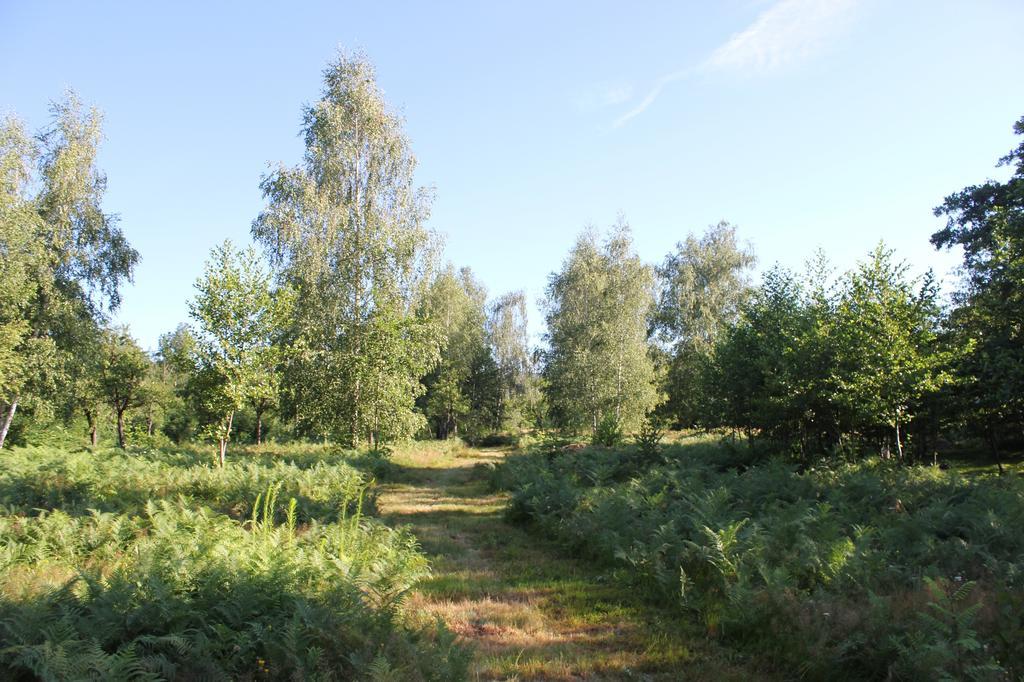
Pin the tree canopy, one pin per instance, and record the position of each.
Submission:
(65, 259)
(237, 350)
(598, 365)
(346, 230)
(987, 221)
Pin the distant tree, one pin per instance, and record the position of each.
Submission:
(755, 383)
(456, 304)
(597, 365)
(264, 397)
(987, 221)
(811, 364)
(346, 229)
(84, 389)
(702, 285)
(65, 259)
(123, 369)
(483, 390)
(239, 315)
(535, 406)
(889, 357)
(157, 398)
(175, 361)
(507, 338)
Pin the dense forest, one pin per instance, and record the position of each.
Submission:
(815, 468)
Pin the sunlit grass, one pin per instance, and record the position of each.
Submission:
(528, 611)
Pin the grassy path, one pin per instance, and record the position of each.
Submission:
(528, 612)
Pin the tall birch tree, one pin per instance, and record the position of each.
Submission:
(65, 259)
(598, 363)
(702, 285)
(346, 229)
(507, 336)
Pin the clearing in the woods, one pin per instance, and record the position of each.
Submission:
(527, 610)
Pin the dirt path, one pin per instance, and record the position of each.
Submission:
(528, 612)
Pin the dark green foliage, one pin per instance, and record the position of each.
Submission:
(496, 440)
(944, 644)
(648, 439)
(817, 367)
(175, 365)
(608, 432)
(819, 569)
(461, 392)
(122, 371)
(987, 220)
(1008, 635)
(702, 285)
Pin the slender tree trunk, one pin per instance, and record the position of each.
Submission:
(357, 289)
(899, 441)
(90, 420)
(450, 427)
(618, 385)
(260, 408)
(224, 439)
(11, 409)
(993, 445)
(149, 426)
(354, 429)
(120, 428)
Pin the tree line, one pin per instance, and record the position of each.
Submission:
(341, 322)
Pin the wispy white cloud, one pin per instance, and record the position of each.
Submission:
(651, 96)
(787, 32)
(616, 95)
(601, 96)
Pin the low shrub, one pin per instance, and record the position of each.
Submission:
(793, 563)
(496, 440)
(608, 432)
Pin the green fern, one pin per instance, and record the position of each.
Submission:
(182, 588)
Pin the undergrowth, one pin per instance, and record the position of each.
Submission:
(154, 565)
(843, 570)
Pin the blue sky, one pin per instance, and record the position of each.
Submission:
(807, 123)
